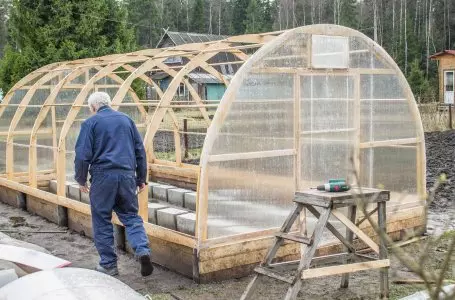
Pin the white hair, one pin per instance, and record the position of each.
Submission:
(98, 100)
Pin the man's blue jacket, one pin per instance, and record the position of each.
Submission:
(110, 142)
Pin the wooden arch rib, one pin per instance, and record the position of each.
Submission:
(40, 119)
(23, 82)
(17, 117)
(159, 113)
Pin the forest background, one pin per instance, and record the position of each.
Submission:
(38, 32)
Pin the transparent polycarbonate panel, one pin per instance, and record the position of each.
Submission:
(21, 151)
(39, 97)
(392, 168)
(385, 111)
(386, 120)
(325, 156)
(261, 118)
(293, 54)
(327, 103)
(381, 87)
(6, 117)
(330, 52)
(249, 195)
(2, 155)
(18, 96)
(360, 56)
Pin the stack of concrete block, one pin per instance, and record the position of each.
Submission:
(190, 200)
(153, 208)
(168, 217)
(173, 195)
(186, 223)
(160, 191)
(72, 191)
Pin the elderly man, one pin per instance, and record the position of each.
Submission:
(110, 148)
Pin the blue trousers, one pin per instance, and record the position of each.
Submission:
(116, 191)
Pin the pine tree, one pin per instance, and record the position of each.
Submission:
(239, 16)
(348, 13)
(144, 14)
(253, 21)
(46, 31)
(198, 18)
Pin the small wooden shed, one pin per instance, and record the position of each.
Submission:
(446, 71)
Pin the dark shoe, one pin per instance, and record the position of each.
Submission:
(111, 271)
(146, 265)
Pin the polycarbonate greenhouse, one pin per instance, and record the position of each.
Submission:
(304, 105)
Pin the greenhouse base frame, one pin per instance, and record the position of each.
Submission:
(214, 261)
(201, 257)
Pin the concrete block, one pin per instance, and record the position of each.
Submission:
(176, 196)
(85, 198)
(190, 201)
(151, 185)
(53, 186)
(186, 223)
(160, 191)
(168, 217)
(74, 192)
(153, 208)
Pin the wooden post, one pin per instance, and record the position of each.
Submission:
(450, 116)
(185, 136)
(384, 277)
(349, 237)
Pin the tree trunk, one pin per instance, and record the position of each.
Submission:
(210, 17)
(405, 40)
(375, 20)
(219, 18)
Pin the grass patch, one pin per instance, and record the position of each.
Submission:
(170, 156)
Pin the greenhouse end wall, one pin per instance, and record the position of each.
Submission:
(319, 102)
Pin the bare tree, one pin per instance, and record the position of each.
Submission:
(405, 39)
(375, 20)
(210, 17)
(219, 17)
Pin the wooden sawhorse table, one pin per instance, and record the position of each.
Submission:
(322, 205)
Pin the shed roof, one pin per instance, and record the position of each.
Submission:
(181, 38)
(442, 53)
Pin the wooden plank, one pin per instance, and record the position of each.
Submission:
(151, 229)
(389, 143)
(294, 237)
(384, 273)
(251, 155)
(336, 270)
(272, 274)
(360, 234)
(352, 210)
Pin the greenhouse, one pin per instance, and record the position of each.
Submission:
(303, 106)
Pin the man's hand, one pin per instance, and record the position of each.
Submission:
(141, 188)
(84, 188)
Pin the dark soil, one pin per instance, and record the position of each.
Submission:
(440, 151)
(167, 285)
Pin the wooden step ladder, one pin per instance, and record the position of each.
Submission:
(322, 205)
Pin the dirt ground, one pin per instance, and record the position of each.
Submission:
(164, 284)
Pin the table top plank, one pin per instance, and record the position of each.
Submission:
(325, 199)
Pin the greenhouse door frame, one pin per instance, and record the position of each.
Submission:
(298, 122)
